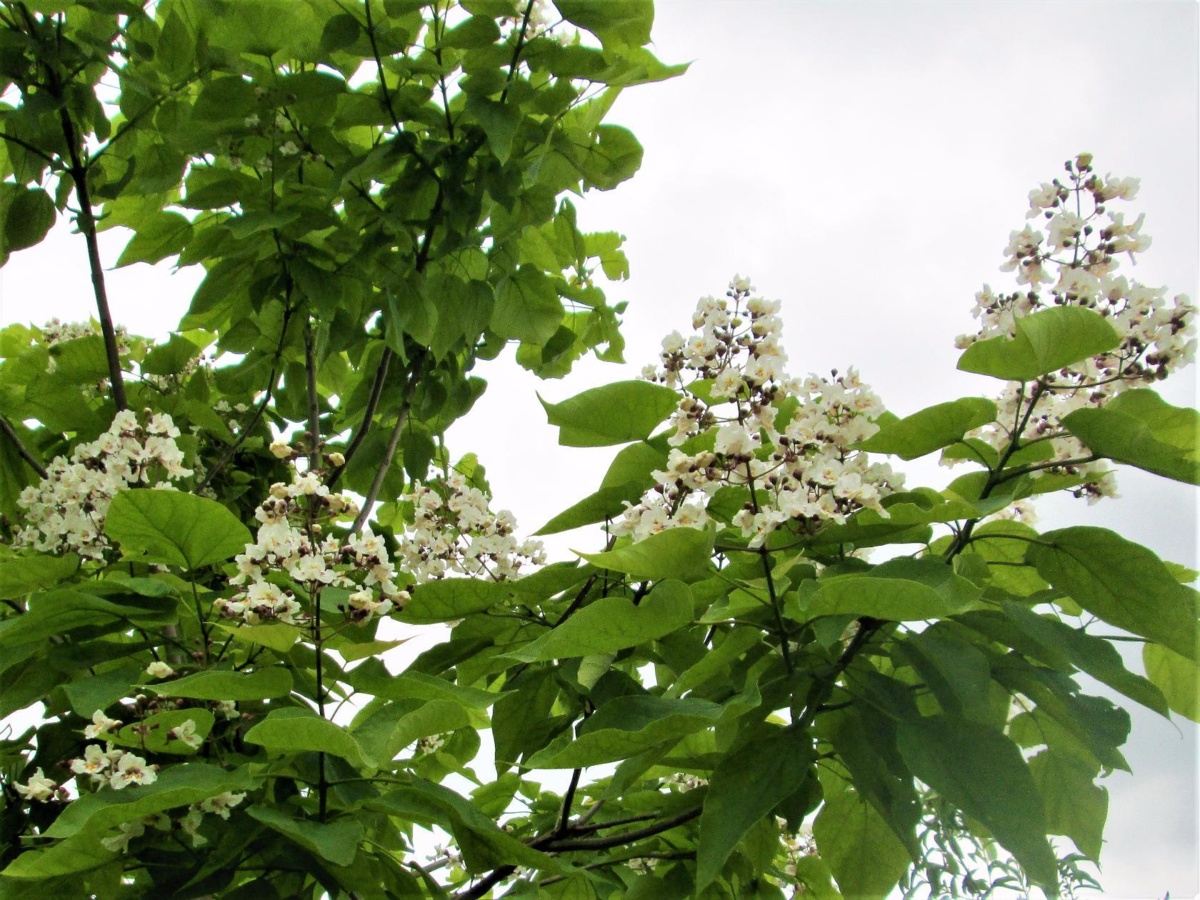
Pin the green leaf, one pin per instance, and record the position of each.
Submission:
(1045, 341)
(899, 590)
(218, 685)
(613, 414)
(625, 24)
(982, 772)
(956, 672)
(1141, 429)
(340, 32)
(157, 739)
(745, 787)
(1176, 676)
(680, 553)
(527, 307)
(336, 842)
(176, 786)
(932, 428)
(1096, 656)
(1122, 582)
(1075, 805)
(614, 623)
(628, 725)
(614, 157)
(101, 691)
(866, 858)
(499, 121)
(294, 730)
(31, 215)
(165, 234)
(174, 528)
(477, 31)
(278, 637)
(483, 844)
(80, 854)
(20, 575)
(452, 598)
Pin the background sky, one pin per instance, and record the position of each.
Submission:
(864, 162)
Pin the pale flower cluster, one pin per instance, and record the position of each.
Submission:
(453, 530)
(788, 443)
(56, 332)
(1073, 262)
(290, 542)
(66, 511)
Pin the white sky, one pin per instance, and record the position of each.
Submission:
(865, 162)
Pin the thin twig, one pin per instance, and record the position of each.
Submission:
(229, 451)
(625, 837)
(390, 451)
(22, 450)
(385, 360)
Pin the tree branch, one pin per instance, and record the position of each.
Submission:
(21, 448)
(87, 224)
(227, 455)
(626, 837)
(393, 442)
(368, 415)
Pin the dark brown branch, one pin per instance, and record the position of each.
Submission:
(516, 57)
(681, 854)
(314, 401)
(87, 224)
(368, 415)
(21, 448)
(568, 799)
(390, 451)
(29, 147)
(227, 455)
(822, 687)
(625, 837)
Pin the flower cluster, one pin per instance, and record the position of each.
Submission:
(290, 543)
(1073, 262)
(115, 767)
(40, 788)
(65, 512)
(795, 847)
(787, 444)
(453, 530)
(56, 332)
(220, 805)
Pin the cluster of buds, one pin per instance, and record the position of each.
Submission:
(453, 530)
(1074, 263)
(799, 470)
(66, 510)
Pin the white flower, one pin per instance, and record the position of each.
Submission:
(131, 769)
(221, 804)
(38, 787)
(93, 763)
(186, 733)
(734, 440)
(281, 449)
(159, 669)
(100, 724)
(190, 825)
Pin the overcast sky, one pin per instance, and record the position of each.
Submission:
(864, 162)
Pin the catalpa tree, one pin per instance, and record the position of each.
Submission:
(781, 672)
